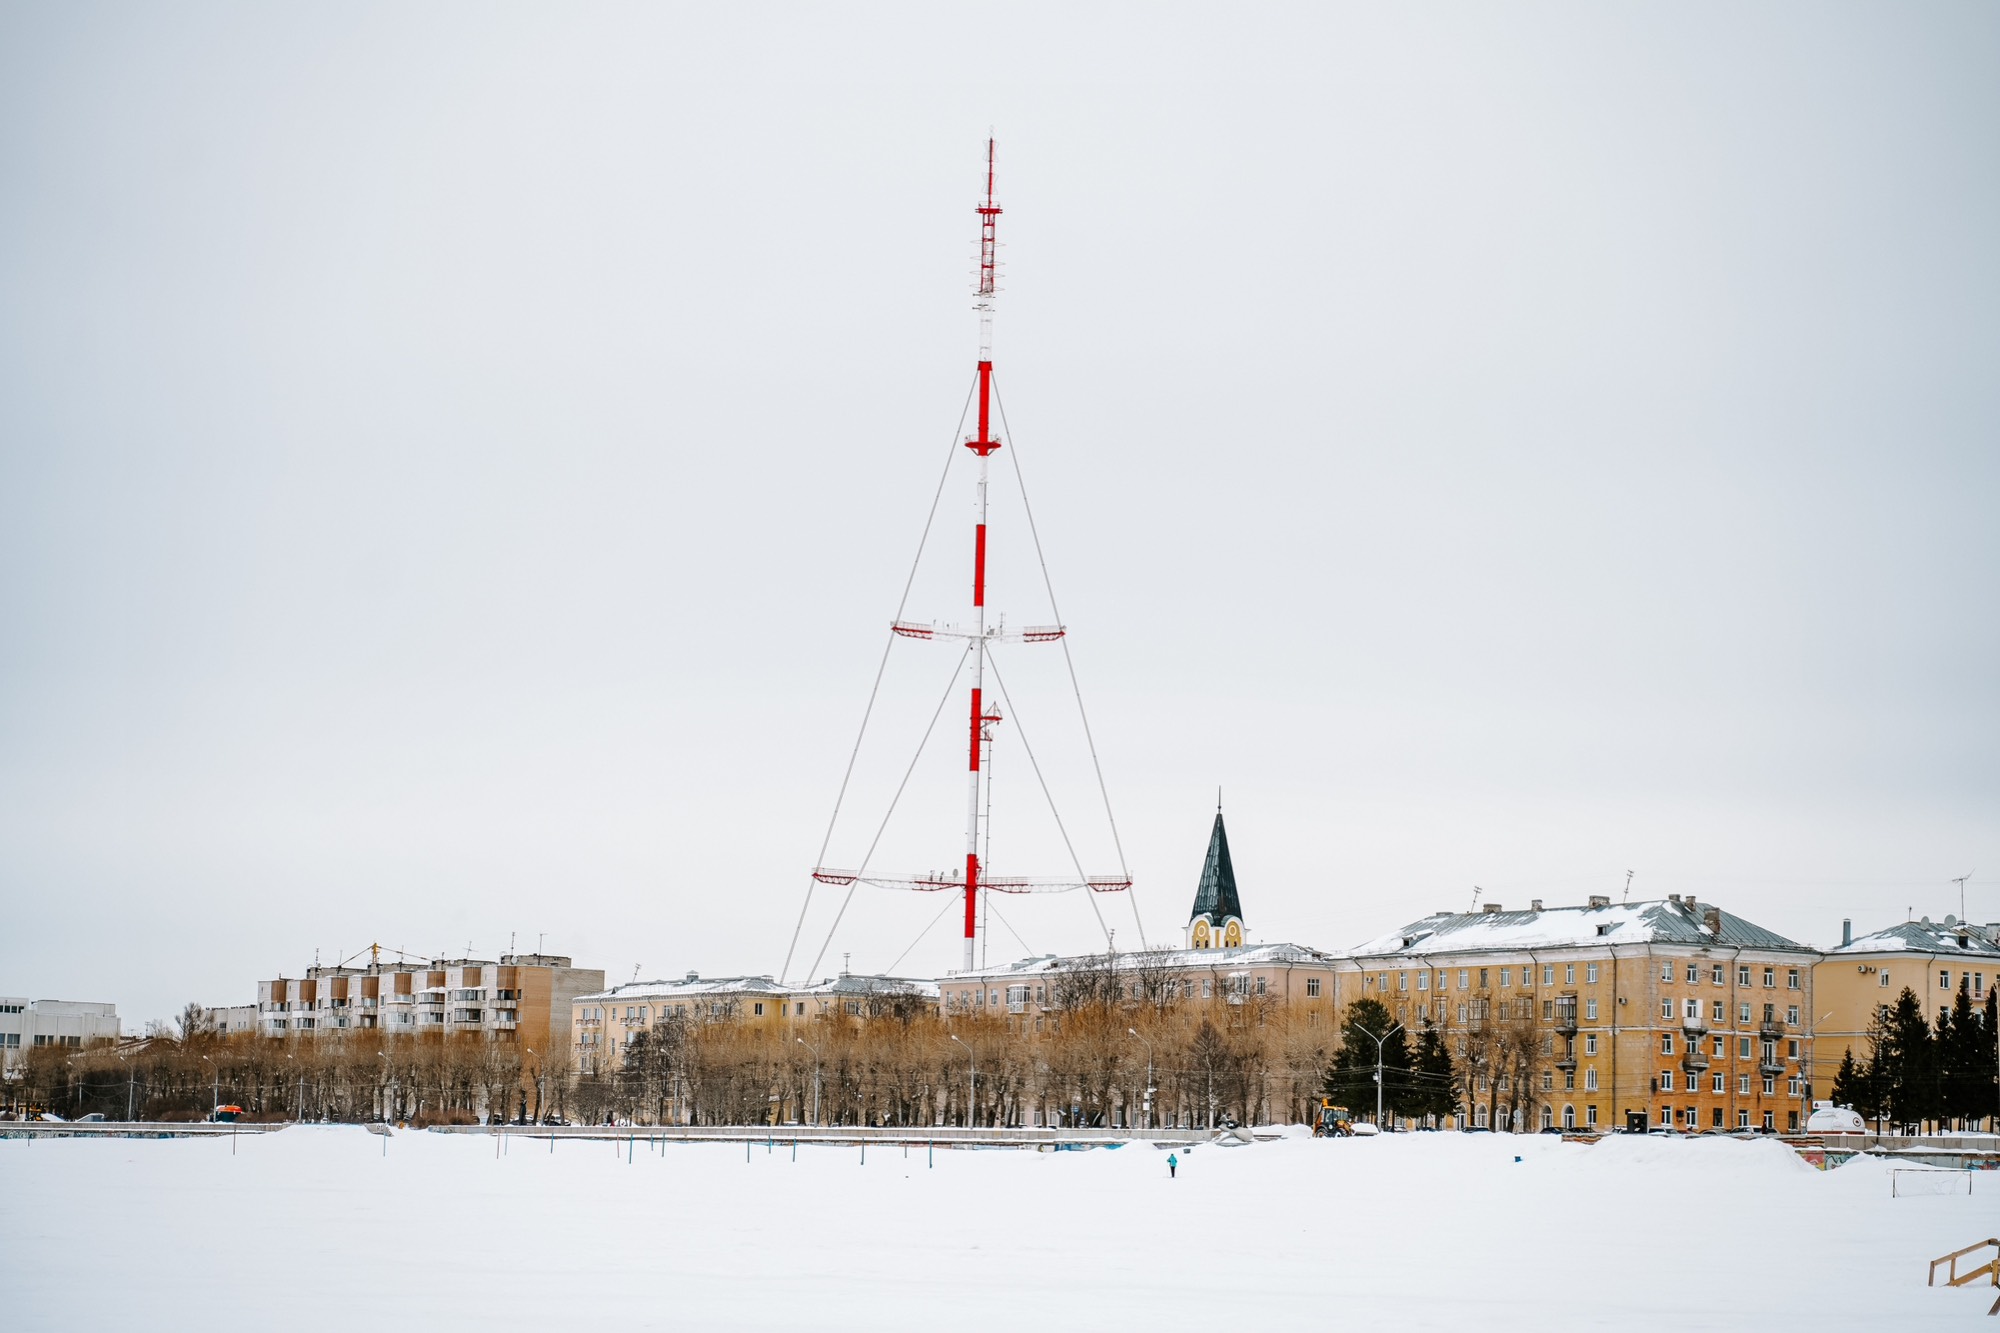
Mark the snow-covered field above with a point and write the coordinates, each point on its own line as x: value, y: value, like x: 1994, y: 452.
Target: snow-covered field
x: 316, y: 1228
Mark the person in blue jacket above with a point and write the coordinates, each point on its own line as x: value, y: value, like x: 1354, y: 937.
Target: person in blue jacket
x: 1172, y: 1162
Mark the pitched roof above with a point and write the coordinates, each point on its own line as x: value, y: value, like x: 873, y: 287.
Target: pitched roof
x: 1216, y: 896
x: 1926, y: 936
x: 1663, y: 922
x: 1249, y: 955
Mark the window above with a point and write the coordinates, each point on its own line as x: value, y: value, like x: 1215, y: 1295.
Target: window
x: 1506, y: 976
x: 1792, y: 1049
x: 1482, y: 978
x: 1424, y: 979
x: 1260, y: 985
x: 1548, y: 1083
x: 1666, y: 971
x: 1715, y: 974
x: 1666, y: 1043
x: 1743, y: 1085
x: 1771, y: 1123
x: 1716, y: 1083
x: 1687, y: 1115
x: 1440, y: 979
x: 1464, y: 978
x: 1792, y: 1015
x: 1791, y: 978
x: 1590, y: 1115
x: 1792, y: 1086
x: 1721, y: 1047
x: 1715, y: 1116
x: 1569, y: 974
x: 1743, y: 975
x: 1944, y: 979
x: 1402, y: 981
x: 1770, y: 977
x: 1461, y: 1013
x: 1590, y: 1043
x: 1743, y: 1013
x: 1978, y: 983
x: 757, y: 1009
x: 1590, y: 1010
x: 1312, y: 987
x: 1694, y: 973
x: 1666, y: 1080
x: 1569, y: 1117
x: 1720, y: 1012
x: 1207, y: 988
x: 1549, y: 975
x: 1667, y: 1009
x: 1882, y: 978
x: 1743, y: 1120
x: 1770, y: 1085
x: 1743, y: 1050
x: 1692, y: 1009
x: 1590, y: 973
x: 1590, y: 1078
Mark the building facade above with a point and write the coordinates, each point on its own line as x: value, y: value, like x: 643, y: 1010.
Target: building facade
x: 522, y: 998
x: 1859, y: 977
x: 71, y: 1024
x: 1671, y: 1013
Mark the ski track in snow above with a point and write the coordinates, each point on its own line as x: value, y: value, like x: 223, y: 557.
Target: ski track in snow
x: 314, y: 1228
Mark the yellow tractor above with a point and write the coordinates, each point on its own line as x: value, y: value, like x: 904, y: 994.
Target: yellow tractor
x: 1333, y: 1121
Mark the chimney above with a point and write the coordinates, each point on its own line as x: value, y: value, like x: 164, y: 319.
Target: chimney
x: 1493, y: 907
x: 1599, y: 900
x: 1846, y: 931
x: 1674, y: 898
x: 1534, y: 904
x: 1712, y: 918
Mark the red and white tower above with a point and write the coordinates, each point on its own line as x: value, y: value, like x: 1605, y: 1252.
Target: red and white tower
x: 982, y: 715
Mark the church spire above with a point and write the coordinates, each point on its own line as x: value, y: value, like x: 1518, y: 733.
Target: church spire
x: 1217, y: 918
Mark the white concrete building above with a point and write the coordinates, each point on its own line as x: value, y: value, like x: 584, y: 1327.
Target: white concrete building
x: 26, y: 1024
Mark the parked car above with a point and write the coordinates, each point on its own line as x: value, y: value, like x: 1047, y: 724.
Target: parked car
x: 94, y: 1118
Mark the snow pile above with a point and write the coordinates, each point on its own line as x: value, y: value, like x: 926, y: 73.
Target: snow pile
x: 325, y: 1228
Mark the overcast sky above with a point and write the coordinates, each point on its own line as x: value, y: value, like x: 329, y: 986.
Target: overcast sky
x: 457, y: 464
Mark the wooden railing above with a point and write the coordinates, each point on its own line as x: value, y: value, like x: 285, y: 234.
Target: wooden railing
x: 1989, y: 1270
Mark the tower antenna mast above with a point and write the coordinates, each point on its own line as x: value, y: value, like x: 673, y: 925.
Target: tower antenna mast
x: 983, y: 445
x: 1960, y: 881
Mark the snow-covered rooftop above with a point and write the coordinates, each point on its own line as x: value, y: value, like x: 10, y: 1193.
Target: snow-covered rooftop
x: 1249, y: 955
x: 693, y: 986
x: 1926, y: 936
x: 1667, y: 921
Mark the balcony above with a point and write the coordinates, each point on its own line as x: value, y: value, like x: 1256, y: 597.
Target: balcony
x: 1695, y: 1023
x: 1771, y: 1066
x: 1770, y: 1030
x: 1566, y: 1019
x: 1566, y: 1063
x: 1695, y: 1061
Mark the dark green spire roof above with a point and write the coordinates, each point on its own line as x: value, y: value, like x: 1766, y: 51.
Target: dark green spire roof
x: 1217, y: 895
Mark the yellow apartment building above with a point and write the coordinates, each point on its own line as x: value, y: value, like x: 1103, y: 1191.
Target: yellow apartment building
x: 1668, y: 1013
x: 1854, y: 980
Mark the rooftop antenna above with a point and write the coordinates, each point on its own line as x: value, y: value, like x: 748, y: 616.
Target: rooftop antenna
x: 635, y: 970
x: 539, y: 937
x: 846, y: 961
x: 1476, y: 891
x: 510, y: 941
x: 1628, y: 888
x: 1960, y: 881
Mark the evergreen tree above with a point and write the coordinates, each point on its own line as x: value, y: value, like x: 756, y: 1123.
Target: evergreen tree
x: 1853, y: 1086
x: 1351, y: 1080
x: 1961, y: 1041
x: 1435, y: 1090
x: 1904, y: 1058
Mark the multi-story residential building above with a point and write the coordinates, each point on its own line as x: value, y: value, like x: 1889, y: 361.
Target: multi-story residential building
x: 1671, y: 1013
x: 604, y: 1023
x: 1860, y: 976
x: 26, y: 1024
x: 525, y: 998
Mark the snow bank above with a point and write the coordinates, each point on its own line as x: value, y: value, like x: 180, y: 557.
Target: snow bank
x: 326, y: 1228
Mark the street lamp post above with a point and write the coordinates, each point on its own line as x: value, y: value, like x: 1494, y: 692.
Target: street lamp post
x: 971, y: 1083
x: 815, y: 1052
x: 1149, y: 1075
x: 1378, y: 1064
